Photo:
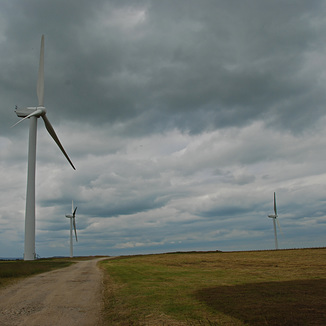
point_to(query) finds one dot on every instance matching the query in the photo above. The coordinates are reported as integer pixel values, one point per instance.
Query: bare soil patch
(301, 302)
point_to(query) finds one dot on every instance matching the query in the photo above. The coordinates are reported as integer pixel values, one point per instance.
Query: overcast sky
(181, 117)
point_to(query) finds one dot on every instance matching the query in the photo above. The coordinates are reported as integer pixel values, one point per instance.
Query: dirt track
(69, 296)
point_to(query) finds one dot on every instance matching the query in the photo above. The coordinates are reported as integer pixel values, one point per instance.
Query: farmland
(284, 287)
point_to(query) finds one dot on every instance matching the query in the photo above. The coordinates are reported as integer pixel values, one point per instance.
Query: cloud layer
(182, 119)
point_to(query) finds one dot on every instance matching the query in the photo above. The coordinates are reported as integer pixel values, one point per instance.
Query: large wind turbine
(72, 223)
(275, 219)
(33, 113)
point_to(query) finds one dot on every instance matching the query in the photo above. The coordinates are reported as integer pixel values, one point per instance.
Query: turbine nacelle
(73, 212)
(273, 216)
(28, 112)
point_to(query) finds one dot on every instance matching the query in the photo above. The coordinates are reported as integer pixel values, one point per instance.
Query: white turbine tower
(275, 219)
(33, 113)
(72, 224)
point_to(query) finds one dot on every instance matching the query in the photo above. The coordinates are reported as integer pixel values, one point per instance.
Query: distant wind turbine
(72, 224)
(275, 219)
(33, 113)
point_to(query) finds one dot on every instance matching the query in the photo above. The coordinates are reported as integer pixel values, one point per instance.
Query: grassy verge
(285, 287)
(11, 271)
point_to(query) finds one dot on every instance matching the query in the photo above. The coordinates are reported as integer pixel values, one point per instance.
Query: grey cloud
(182, 119)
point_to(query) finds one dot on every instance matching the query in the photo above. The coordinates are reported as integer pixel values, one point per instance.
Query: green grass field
(285, 287)
(11, 271)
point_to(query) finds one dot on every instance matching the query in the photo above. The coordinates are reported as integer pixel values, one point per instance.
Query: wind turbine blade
(278, 224)
(36, 112)
(72, 207)
(74, 223)
(74, 212)
(40, 79)
(55, 138)
(275, 210)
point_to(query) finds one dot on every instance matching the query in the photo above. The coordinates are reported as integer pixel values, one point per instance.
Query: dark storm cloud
(155, 65)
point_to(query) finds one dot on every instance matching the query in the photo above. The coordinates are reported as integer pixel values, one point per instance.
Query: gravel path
(69, 296)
